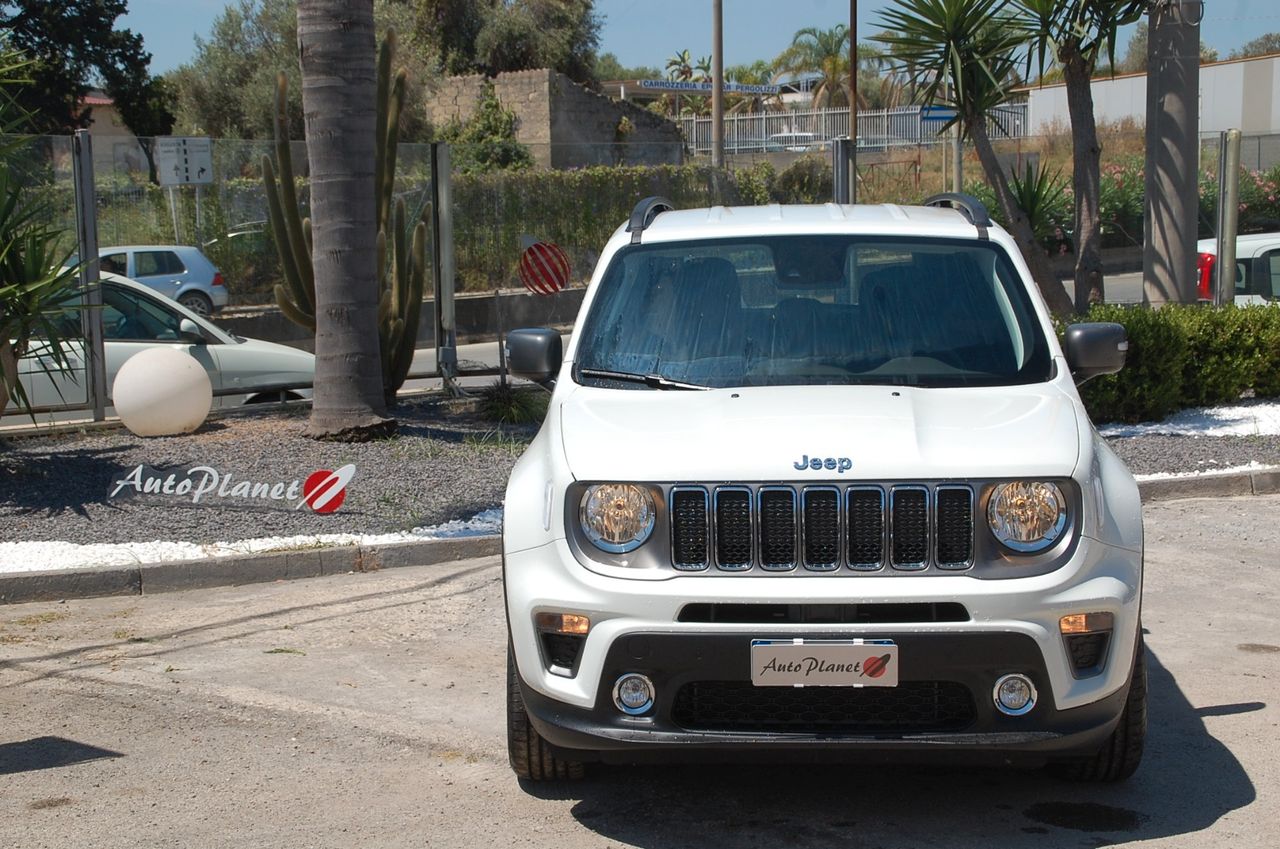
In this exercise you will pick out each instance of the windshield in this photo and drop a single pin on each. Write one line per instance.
(794, 310)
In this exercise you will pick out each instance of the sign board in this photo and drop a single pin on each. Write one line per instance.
(705, 88)
(941, 114)
(183, 161)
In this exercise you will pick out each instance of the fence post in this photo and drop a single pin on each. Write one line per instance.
(1228, 217)
(442, 223)
(87, 236)
(841, 179)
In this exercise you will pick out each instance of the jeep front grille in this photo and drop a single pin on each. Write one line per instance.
(904, 527)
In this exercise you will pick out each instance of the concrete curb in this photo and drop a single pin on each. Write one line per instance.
(146, 579)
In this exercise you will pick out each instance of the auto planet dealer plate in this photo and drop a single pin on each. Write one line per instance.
(824, 663)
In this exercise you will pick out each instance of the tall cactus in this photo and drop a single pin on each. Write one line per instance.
(402, 257)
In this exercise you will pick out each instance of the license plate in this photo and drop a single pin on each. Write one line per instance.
(824, 663)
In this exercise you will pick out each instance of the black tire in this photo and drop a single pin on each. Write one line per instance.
(1120, 756)
(530, 756)
(197, 303)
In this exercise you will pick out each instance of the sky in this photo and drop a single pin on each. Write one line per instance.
(647, 32)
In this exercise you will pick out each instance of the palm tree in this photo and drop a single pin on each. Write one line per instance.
(679, 67)
(824, 53)
(1075, 34)
(339, 86)
(972, 46)
(757, 73)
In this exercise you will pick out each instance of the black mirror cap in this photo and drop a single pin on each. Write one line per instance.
(1095, 348)
(534, 353)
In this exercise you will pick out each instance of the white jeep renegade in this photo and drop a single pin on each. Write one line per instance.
(815, 482)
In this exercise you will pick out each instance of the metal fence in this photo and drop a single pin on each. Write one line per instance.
(801, 129)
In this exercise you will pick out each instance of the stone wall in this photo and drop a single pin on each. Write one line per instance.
(564, 124)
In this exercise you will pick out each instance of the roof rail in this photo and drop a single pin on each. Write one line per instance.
(967, 205)
(644, 213)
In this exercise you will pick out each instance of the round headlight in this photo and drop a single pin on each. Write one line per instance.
(617, 517)
(1027, 516)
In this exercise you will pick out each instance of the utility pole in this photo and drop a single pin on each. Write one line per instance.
(1173, 152)
(853, 101)
(717, 84)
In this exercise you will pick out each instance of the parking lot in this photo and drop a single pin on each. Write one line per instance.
(367, 710)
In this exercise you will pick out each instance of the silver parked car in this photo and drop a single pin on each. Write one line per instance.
(134, 318)
(180, 272)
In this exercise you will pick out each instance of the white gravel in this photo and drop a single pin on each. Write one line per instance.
(36, 556)
(1255, 418)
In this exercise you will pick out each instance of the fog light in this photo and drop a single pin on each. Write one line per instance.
(1014, 695)
(633, 694)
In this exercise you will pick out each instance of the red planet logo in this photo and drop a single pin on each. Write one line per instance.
(544, 268)
(325, 490)
(875, 666)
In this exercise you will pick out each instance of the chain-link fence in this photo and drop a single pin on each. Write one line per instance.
(496, 211)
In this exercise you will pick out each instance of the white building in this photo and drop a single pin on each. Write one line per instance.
(1242, 94)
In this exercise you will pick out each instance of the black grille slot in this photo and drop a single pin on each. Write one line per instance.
(1088, 651)
(912, 706)
(866, 528)
(824, 614)
(821, 528)
(777, 528)
(910, 527)
(562, 649)
(733, 529)
(689, 531)
(955, 527)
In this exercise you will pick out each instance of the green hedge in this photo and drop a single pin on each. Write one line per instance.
(1186, 356)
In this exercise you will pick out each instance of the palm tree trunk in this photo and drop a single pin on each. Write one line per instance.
(336, 48)
(1086, 163)
(1051, 288)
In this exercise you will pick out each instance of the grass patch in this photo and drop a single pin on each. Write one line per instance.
(41, 618)
(503, 403)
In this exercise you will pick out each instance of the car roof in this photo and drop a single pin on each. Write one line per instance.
(1250, 240)
(720, 222)
(102, 250)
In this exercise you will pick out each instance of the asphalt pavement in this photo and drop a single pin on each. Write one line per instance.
(367, 710)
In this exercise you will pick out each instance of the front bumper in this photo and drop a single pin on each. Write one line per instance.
(921, 719)
(1010, 626)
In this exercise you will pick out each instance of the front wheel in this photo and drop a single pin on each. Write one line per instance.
(529, 754)
(1120, 756)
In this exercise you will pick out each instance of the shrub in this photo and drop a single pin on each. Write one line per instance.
(1186, 356)
(755, 184)
(1222, 357)
(1150, 385)
(807, 180)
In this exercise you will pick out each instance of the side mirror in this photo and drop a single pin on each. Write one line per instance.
(190, 331)
(534, 354)
(1095, 348)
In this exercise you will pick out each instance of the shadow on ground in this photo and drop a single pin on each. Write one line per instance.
(47, 753)
(1187, 781)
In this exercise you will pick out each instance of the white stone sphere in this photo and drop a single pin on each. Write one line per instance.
(161, 392)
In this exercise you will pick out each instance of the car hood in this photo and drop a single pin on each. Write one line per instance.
(868, 432)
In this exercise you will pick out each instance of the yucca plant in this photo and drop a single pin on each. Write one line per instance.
(34, 277)
(1041, 193)
(966, 54)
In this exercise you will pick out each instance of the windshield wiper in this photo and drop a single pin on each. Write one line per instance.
(656, 381)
